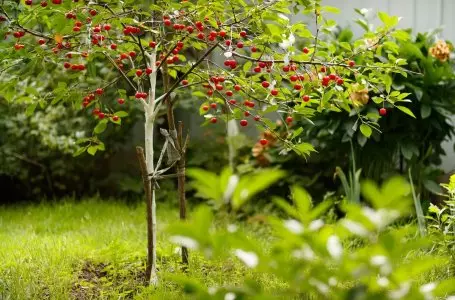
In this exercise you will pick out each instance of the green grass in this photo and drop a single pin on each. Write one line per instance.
(93, 250)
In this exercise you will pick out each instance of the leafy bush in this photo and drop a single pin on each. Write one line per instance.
(402, 142)
(36, 154)
(359, 256)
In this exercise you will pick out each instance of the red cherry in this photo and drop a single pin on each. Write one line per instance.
(306, 50)
(43, 3)
(200, 35)
(262, 64)
(96, 111)
(76, 29)
(351, 63)
(28, 2)
(228, 43)
(298, 87)
(232, 101)
(148, 71)
(210, 92)
(263, 142)
(152, 44)
(340, 81)
(286, 68)
(132, 54)
(56, 1)
(246, 114)
(243, 33)
(190, 29)
(99, 91)
(237, 87)
(120, 101)
(289, 120)
(113, 46)
(205, 108)
(274, 92)
(67, 65)
(306, 98)
(180, 44)
(293, 78)
(383, 111)
(257, 118)
(323, 69)
(115, 118)
(41, 41)
(198, 24)
(219, 87)
(213, 120)
(229, 93)
(257, 69)
(139, 73)
(332, 76)
(107, 27)
(138, 95)
(239, 45)
(265, 84)
(222, 33)
(167, 22)
(254, 49)
(93, 12)
(185, 82)
(213, 105)
(101, 115)
(243, 123)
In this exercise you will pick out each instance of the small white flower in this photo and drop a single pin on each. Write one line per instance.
(383, 281)
(355, 227)
(378, 260)
(305, 253)
(402, 291)
(316, 225)
(212, 290)
(232, 228)
(322, 287)
(184, 241)
(228, 54)
(293, 226)
(248, 258)
(428, 288)
(334, 247)
(229, 296)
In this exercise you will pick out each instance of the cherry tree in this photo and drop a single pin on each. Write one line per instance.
(246, 62)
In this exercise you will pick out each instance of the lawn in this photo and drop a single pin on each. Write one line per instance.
(94, 249)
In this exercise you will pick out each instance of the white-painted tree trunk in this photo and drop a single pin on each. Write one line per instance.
(150, 110)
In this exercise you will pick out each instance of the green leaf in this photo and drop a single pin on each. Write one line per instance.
(121, 114)
(405, 110)
(80, 151)
(304, 149)
(100, 127)
(366, 130)
(31, 109)
(331, 9)
(250, 185)
(92, 150)
(425, 111)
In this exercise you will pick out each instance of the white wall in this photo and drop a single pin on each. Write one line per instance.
(420, 15)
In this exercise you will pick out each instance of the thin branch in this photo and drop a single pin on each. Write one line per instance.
(120, 70)
(176, 83)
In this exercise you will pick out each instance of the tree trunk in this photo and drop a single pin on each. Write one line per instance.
(181, 177)
(147, 167)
